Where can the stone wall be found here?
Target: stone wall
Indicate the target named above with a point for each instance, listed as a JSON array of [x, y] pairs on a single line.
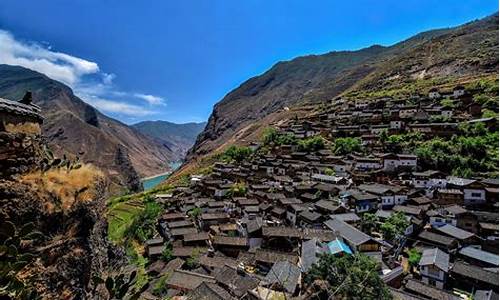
[[19, 153]]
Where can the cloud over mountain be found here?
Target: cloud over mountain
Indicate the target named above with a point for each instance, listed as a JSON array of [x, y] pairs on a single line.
[[89, 82]]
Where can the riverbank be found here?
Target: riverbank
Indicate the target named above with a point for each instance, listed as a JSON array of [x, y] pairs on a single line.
[[154, 176], [153, 181]]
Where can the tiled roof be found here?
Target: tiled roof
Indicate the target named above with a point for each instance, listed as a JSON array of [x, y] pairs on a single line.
[[18, 108], [348, 232], [475, 273], [435, 257]]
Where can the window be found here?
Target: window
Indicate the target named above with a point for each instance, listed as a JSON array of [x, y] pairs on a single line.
[[477, 195]]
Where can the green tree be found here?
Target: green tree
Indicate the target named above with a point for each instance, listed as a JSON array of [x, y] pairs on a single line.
[[414, 257], [144, 225], [448, 103], [394, 226], [347, 145], [167, 254], [383, 138], [238, 189], [272, 136], [192, 262], [329, 172], [348, 277], [312, 144], [487, 113], [238, 154], [195, 212], [368, 222]]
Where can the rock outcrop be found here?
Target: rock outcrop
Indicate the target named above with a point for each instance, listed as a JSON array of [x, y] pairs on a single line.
[[66, 204]]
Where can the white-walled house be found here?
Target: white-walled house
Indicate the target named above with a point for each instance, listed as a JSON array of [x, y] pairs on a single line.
[[474, 192], [393, 162], [389, 195], [367, 163], [429, 179], [434, 266]]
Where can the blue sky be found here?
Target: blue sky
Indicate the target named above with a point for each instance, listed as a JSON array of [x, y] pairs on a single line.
[[173, 60]]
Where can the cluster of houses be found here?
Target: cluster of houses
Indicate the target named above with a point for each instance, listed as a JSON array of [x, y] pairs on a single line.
[[252, 230], [436, 115]]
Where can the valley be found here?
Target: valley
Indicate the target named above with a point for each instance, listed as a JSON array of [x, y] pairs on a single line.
[[367, 174]]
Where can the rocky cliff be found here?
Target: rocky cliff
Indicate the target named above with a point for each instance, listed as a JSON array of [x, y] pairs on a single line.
[[64, 205]]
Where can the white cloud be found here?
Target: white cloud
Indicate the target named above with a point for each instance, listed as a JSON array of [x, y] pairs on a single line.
[[85, 77], [56, 65], [118, 107], [153, 100], [108, 78]]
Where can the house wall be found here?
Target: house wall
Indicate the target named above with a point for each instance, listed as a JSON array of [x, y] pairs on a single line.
[[440, 221], [18, 124], [433, 276], [474, 196], [367, 165]]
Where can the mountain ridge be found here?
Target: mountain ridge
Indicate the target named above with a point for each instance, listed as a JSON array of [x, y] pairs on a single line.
[[179, 136], [75, 128], [319, 78]]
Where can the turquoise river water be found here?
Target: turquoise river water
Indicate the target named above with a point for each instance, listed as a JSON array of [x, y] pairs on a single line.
[[151, 182]]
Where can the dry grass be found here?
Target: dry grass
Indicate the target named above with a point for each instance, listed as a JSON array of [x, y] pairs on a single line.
[[66, 187], [28, 128]]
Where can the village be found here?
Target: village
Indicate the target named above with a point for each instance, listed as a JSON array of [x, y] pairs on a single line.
[[253, 227]]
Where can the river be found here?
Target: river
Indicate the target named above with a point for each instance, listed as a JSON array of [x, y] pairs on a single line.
[[151, 182]]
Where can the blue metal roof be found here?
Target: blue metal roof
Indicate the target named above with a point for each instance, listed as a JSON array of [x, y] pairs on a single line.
[[338, 246]]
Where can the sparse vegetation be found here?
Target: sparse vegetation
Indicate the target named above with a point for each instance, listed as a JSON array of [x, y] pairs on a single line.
[[28, 128], [16, 253], [68, 186]]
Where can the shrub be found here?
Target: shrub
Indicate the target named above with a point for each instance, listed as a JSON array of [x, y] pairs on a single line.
[[235, 153], [414, 257], [311, 144], [238, 190], [195, 212], [343, 146], [271, 136]]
